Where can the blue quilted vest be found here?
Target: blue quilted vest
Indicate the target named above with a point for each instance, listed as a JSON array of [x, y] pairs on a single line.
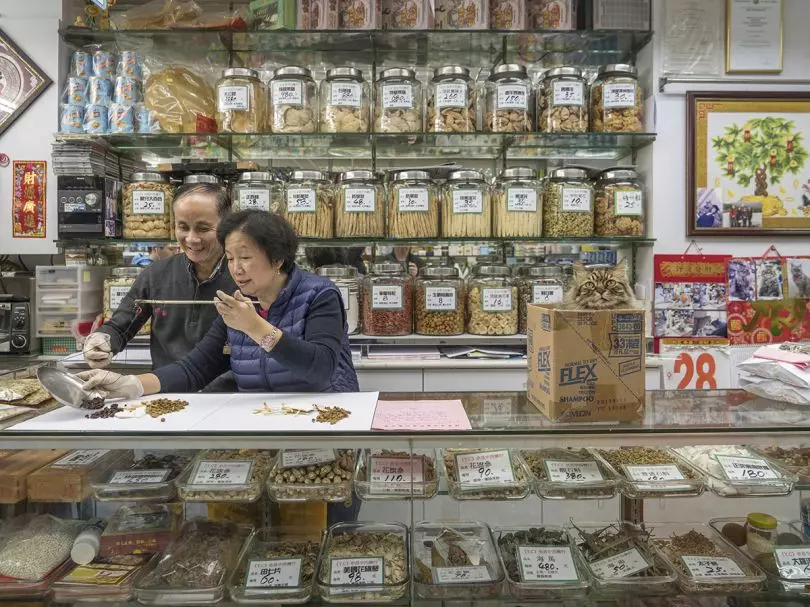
[[257, 371]]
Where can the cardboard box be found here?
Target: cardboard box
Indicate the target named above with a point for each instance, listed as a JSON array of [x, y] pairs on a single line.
[[586, 366]]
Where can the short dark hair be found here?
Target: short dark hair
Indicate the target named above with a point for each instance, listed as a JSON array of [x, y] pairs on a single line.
[[219, 192], [271, 233]]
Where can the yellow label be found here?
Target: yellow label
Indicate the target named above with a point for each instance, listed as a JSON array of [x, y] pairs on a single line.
[[102, 575]]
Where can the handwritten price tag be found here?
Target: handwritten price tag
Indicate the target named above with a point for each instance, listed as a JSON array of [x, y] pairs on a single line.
[[364, 571], [295, 458], [655, 473], [484, 468], [619, 566], [216, 472], [702, 566], [793, 563], [139, 477], [393, 475], [461, 575], [574, 472], [547, 563], [746, 468], [276, 573], [80, 458]]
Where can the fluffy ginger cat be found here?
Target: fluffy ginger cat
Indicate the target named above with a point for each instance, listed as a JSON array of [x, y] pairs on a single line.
[[600, 289]]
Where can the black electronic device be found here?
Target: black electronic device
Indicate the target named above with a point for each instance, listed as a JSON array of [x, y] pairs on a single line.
[[88, 207]]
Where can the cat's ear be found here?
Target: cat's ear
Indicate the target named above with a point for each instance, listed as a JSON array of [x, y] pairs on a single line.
[[620, 270], [580, 271]]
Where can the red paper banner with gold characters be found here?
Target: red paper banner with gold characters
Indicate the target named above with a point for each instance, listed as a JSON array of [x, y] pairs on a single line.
[[28, 204]]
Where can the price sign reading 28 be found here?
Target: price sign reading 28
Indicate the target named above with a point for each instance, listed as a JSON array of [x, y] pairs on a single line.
[[696, 371]]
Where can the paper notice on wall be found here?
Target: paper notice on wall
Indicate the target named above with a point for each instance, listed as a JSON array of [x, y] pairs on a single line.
[[693, 37]]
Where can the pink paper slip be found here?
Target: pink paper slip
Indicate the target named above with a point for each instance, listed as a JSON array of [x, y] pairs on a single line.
[[420, 415], [795, 358]]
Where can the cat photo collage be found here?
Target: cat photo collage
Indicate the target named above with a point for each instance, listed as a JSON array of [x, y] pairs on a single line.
[[690, 309], [768, 279]]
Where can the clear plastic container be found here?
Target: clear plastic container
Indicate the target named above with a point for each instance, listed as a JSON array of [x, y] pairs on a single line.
[[413, 205], [383, 474], [517, 204], [381, 549], [257, 190], [439, 301], [492, 301], [508, 477], [148, 206], [619, 204], [438, 575], [293, 101], [240, 101], [105, 580], [568, 204], [346, 280], [451, 106], [509, 100], [617, 100], [387, 300], [564, 104], [793, 458], [345, 105], [225, 475], [540, 284], [541, 563], [397, 102], [648, 472], [142, 529], [309, 204], [302, 475], [466, 205], [359, 206], [151, 478], [560, 473]]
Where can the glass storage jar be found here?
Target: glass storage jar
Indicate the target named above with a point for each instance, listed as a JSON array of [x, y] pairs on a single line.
[[344, 101], [451, 106], [413, 205], [564, 105], [492, 301], [617, 100], [116, 288], [509, 103], [240, 101], [309, 204], [439, 301], [466, 205], [293, 101], [345, 279], [618, 203], [760, 533], [517, 203], [359, 205], [568, 203], [257, 190], [148, 202], [397, 102], [540, 284], [387, 300]]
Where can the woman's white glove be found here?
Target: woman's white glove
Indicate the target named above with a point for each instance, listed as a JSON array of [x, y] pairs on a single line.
[[112, 384], [97, 350]]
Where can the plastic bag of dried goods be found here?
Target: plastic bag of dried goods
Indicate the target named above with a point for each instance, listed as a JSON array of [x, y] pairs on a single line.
[[33, 546], [774, 389], [788, 363]]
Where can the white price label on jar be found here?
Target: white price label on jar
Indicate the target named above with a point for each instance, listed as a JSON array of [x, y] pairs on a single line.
[[363, 571], [521, 200], [288, 92], [619, 566], [139, 477], [301, 200], [344, 295], [547, 563], [574, 472], [254, 199], [461, 575], [793, 563], [451, 94], [467, 201], [274, 573], [513, 97], [712, 566], [410, 200], [360, 200], [221, 472], [440, 299], [386, 297], [397, 96], [746, 468], [394, 475], [655, 473], [296, 458], [80, 458], [231, 98], [346, 94], [148, 202], [547, 294], [628, 202], [116, 296], [484, 468], [615, 96], [497, 407], [576, 200], [568, 93], [496, 300]]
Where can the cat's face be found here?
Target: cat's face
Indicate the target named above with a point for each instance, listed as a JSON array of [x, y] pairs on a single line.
[[601, 288], [796, 271]]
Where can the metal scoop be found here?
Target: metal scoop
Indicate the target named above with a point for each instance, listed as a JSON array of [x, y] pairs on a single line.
[[64, 387]]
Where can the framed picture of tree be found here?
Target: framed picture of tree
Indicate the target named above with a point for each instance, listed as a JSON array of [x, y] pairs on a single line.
[[748, 165]]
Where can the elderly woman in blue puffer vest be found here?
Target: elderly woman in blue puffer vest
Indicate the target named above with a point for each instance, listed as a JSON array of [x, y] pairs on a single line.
[[286, 327]]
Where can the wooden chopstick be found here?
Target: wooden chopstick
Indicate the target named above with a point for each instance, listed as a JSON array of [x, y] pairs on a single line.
[[181, 302]]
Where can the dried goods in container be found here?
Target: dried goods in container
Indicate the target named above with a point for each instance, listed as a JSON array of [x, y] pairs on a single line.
[[553, 14], [309, 204], [116, 288], [407, 14], [466, 205], [439, 299], [492, 301], [413, 205], [150, 478], [148, 202], [140, 529], [462, 14], [240, 102], [494, 474], [68, 479], [387, 300], [794, 458], [618, 203], [397, 102], [386, 474], [242, 474], [293, 101], [617, 100], [568, 473], [508, 14], [568, 204], [539, 284], [517, 203], [347, 282], [257, 190], [31, 547], [312, 475], [345, 106], [451, 101], [360, 14], [563, 105], [359, 206], [509, 100], [652, 472]]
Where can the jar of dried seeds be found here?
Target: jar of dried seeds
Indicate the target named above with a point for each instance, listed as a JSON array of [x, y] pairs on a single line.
[[492, 302], [568, 204], [344, 101], [148, 206], [517, 203], [451, 101], [387, 300], [617, 100], [397, 102], [540, 284], [413, 205], [564, 106], [439, 301], [309, 204], [509, 100], [293, 101], [619, 203], [257, 190], [466, 205]]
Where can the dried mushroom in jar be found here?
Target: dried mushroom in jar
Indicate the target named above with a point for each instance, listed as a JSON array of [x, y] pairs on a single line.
[[451, 106], [148, 207], [344, 101], [617, 104], [293, 101], [564, 104], [240, 102], [397, 102]]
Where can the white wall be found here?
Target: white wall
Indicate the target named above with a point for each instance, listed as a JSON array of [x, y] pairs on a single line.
[[32, 25]]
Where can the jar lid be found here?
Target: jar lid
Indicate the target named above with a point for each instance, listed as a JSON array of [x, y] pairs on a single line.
[[241, 71], [301, 175], [337, 271], [563, 71], [255, 176], [506, 70], [406, 175], [568, 173], [493, 270], [359, 175], [387, 267], [466, 175], [448, 71], [619, 68], [518, 173], [146, 176], [344, 72], [397, 72], [761, 520], [292, 70], [126, 272], [544, 271], [618, 173], [200, 178], [439, 271]]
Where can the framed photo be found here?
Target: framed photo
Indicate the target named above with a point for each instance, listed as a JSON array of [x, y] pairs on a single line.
[[748, 164], [754, 36], [21, 82]]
